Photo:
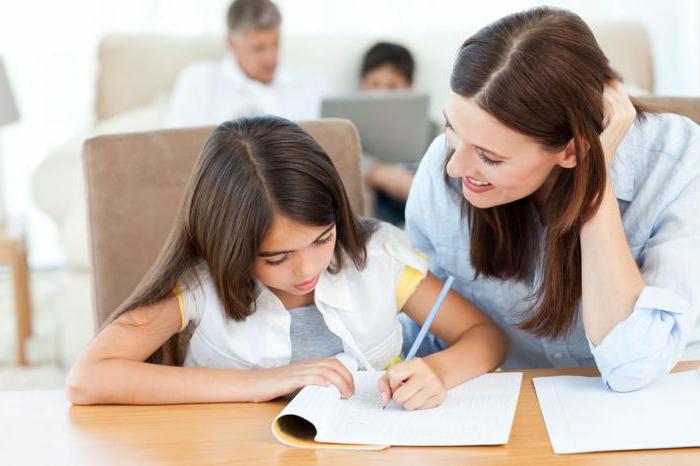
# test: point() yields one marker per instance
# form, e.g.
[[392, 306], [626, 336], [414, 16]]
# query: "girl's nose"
[[304, 266]]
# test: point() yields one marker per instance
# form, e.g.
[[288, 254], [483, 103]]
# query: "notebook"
[[582, 415], [478, 412]]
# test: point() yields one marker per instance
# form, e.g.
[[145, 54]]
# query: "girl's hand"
[[413, 384], [619, 116], [280, 381]]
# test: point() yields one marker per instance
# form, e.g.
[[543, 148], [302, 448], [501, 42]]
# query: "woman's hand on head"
[[618, 106], [412, 384], [619, 117], [280, 381]]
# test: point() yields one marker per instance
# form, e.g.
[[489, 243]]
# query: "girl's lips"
[[308, 285], [476, 188]]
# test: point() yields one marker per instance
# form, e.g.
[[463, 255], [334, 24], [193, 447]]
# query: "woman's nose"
[[459, 163]]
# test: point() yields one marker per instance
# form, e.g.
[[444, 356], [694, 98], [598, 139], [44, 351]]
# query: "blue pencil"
[[428, 321], [433, 312]]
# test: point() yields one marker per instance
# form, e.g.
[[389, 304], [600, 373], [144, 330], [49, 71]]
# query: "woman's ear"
[[568, 157]]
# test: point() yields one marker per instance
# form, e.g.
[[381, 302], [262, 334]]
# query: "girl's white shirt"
[[359, 306]]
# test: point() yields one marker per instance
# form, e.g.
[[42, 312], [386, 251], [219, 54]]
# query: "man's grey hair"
[[252, 14]]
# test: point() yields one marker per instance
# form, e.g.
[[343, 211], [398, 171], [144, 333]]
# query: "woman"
[[566, 214]]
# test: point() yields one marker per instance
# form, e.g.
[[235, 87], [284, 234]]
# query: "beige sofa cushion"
[[135, 68]]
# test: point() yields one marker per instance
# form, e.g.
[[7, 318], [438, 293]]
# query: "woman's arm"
[[611, 280], [112, 370], [652, 339], [476, 346], [638, 319]]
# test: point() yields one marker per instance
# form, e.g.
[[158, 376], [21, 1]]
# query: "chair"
[[134, 186], [686, 106]]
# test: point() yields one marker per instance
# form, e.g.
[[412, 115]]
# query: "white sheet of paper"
[[478, 412], [582, 415]]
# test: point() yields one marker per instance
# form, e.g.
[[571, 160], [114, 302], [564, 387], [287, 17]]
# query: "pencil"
[[428, 321]]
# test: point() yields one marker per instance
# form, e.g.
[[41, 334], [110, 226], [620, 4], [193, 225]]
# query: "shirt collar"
[[266, 299], [332, 290], [231, 69]]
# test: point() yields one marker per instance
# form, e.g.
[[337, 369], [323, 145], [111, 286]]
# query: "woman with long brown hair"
[[568, 213], [272, 274]]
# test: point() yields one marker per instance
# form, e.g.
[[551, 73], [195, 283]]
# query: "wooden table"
[[13, 252], [43, 428]]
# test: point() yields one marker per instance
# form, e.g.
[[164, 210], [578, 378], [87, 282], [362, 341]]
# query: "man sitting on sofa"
[[248, 81]]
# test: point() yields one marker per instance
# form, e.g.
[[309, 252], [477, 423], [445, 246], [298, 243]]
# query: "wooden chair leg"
[[20, 278]]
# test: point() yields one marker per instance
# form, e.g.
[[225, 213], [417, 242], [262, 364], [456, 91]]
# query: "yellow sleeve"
[[407, 284], [181, 305]]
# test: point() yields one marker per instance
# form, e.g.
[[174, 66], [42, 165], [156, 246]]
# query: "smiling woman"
[[567, 212]]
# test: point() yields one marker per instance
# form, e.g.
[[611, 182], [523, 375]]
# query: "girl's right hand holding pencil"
[[412, 384]]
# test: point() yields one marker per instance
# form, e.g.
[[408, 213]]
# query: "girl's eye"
[[277, 262], [284, 258], [324, 240], [487, 160]]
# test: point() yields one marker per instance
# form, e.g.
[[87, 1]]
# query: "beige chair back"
[[686, 106], [135, 183]]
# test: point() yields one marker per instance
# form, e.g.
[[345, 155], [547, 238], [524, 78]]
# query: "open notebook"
[[478, 412], [583, 416]]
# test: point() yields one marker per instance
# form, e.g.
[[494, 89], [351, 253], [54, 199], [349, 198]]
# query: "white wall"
[[49, 49]]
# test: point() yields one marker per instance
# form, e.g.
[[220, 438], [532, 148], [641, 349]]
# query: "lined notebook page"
[[582, 415], [478, 412]]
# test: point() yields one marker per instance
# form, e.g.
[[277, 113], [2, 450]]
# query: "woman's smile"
[[475, 185]]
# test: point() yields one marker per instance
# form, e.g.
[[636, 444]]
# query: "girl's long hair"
[[249, 170]]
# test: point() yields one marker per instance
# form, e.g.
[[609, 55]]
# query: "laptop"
[[393, 125]]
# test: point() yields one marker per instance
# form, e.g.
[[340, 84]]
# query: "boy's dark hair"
[[387, 53]]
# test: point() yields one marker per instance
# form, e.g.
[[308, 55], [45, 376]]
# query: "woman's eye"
[[277, 262], [449, 148], [487, 160]]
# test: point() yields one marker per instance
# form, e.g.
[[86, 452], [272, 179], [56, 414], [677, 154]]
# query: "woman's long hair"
[[249, 170], [541, 73]]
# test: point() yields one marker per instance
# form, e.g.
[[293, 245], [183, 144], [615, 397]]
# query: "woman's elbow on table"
[[636, 374], [624, 382], [645, 346]]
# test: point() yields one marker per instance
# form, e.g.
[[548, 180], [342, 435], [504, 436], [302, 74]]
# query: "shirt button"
[[558, 355]]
